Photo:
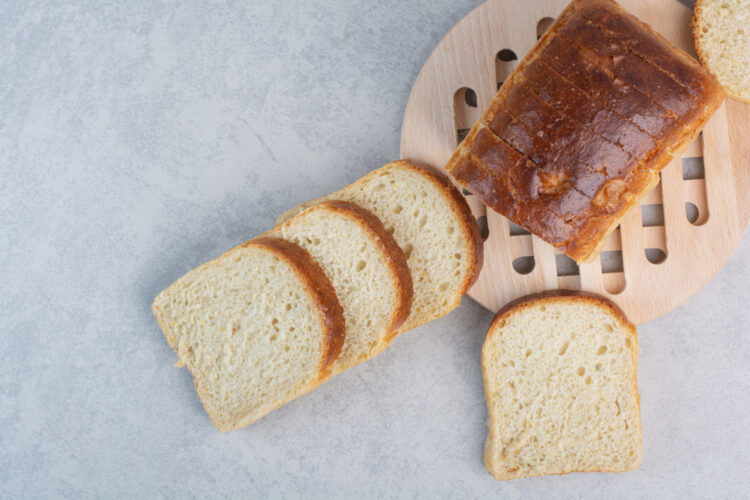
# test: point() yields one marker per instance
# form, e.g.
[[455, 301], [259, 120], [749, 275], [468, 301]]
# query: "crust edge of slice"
[[396, 261]]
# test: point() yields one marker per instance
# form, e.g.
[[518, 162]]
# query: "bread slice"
[[560, 381], [366, 267], [257, 327], [721, 32], [432, 224]]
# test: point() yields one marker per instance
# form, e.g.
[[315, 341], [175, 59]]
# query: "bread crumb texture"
[[429, 228], [247, 330], [358, 269], [560, 383], [721, 31]]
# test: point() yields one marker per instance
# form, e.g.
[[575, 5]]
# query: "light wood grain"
[[467, 59]]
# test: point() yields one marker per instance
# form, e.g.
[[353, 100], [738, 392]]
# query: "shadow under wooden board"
[[666, 248]]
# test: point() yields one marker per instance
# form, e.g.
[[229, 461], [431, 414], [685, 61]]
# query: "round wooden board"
[[666, 249]]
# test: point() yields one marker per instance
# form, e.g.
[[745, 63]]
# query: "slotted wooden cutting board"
[[666, 249]]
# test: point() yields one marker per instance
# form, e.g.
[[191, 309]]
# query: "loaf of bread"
[[580, 130], [432, 224], [560, 381], [257, 327], [366, 267]]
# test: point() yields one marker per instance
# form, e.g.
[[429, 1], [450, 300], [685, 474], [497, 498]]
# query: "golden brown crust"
[[579, 131], [550, 297], [461, 208], [590, 249], [332, 314], [396, 260], [702, 56], [557, 296], [651, 46]]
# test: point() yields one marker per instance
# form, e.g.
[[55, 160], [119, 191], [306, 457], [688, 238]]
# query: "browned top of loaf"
[[320, 288], [396, 262], [579, 131]]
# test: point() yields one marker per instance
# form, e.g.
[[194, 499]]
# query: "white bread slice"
[[366, 267], [721, 32], [257, 327], [560, 381], [432, 224]]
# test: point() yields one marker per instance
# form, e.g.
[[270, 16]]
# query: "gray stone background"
[[139, 139]]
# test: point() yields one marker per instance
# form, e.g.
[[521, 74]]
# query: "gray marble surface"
[[139, 139]]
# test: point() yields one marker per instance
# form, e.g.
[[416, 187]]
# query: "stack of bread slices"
[[329, 287]]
